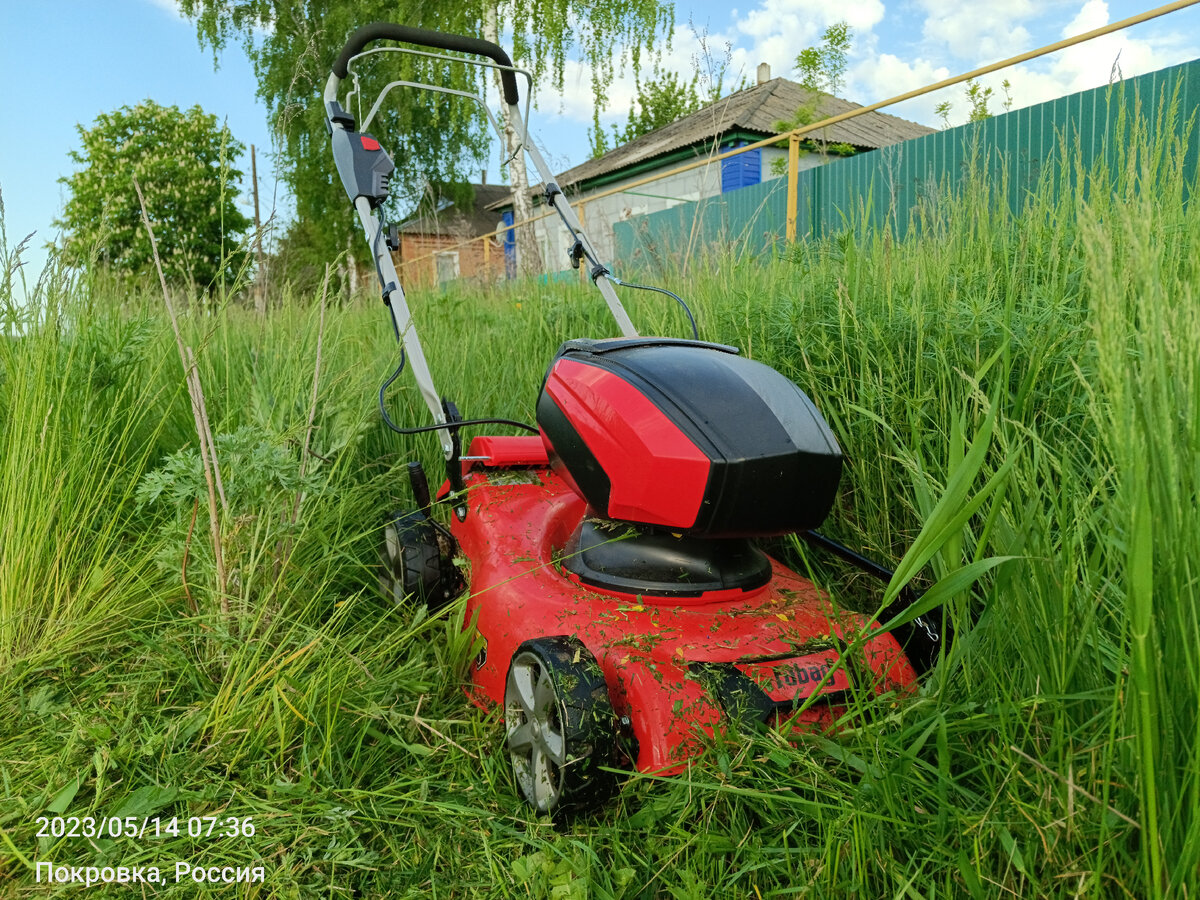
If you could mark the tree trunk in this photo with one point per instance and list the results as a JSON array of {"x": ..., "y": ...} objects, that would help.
[{"x": 529, "y": 260}]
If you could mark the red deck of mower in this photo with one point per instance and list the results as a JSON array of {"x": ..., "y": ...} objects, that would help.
[{"x": 622, "y": 603}]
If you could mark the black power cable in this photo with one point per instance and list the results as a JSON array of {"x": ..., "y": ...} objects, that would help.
[
  {"x": 421, "y": 429},
  {"x": 598, "y": 268},
  {"x": 646, "y": 287},
  {"x": 400, "y": 368}
]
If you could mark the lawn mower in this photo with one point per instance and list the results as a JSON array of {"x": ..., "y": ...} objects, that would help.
[{"x": 623, "y": 607}]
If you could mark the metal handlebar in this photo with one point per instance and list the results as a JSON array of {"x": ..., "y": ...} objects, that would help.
[{"x": 377, "y": 31}]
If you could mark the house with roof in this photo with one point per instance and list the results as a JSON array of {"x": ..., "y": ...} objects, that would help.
[
  {"x": 433, "y": 248},
  {"x": 744, "y": 117}
]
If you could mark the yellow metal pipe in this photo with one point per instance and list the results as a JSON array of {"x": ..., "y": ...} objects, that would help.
[
  {"x": 863, "y": 110},
  {"x": 793, "y": 171},
  {"x": 1011, "y": 61}
]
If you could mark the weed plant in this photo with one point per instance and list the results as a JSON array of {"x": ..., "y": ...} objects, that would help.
[{"x": 1016, "y": 385}]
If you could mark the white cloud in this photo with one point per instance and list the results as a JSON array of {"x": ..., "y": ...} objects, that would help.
[
  {"x": 948, "y": 37},
  {"x": 171, "y": 6},
  {"x": 978, "y": 30},
  {"x": 887, "y": 76},
  {"x": 803, "y": 21},
  {"x": 774, "y": 32},
  {"x": 693, "y": 50},
  {"x": 1124, "y": 53},
  {"x": 975, "y": 32},
  {"x": 1094, "y": 14},
  {"x": 1095, "y": 62}
]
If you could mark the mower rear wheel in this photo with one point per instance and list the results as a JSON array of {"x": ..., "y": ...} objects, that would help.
[
  {"x": 411, "y": 561},
  {"x": 560, "y": 726}
]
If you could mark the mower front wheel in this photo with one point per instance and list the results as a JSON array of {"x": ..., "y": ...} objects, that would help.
[{"x": 560, "y": 727}]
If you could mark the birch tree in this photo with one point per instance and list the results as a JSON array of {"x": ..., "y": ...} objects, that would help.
[{"x": 292, "y": 43}]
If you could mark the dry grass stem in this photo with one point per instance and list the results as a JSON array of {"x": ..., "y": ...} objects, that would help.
[
  {"x": 1072, "y": 787},
  {"x": 196, "y": 393}
]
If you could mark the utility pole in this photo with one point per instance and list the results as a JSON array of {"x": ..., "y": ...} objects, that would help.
[{"x": 260, "y": 288}]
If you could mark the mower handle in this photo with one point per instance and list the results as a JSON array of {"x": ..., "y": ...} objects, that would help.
[{"x": 377, "y": 31}]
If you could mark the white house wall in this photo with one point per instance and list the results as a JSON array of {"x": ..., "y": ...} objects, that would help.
[{"x": 600, "y": 215}]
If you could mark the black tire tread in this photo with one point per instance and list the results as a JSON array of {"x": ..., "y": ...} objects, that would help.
[{"x": 588, "y": 721}]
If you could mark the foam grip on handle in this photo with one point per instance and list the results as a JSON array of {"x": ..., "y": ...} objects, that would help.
[{"x": 378, "y": 31}]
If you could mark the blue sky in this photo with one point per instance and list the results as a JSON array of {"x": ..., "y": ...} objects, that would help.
[{"x": 66, "y": 61}]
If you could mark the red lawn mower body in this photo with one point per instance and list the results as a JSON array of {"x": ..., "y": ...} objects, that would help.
[
  {"x": 624, "y": 607},
  {"x": 781, "y": 639},
  {"x": 628, "y": 524}
]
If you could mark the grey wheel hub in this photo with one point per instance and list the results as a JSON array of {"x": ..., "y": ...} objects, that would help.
[{"x": 536, "y": 741}]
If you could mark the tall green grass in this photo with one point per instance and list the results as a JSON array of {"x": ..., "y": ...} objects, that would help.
[{"x": 1053, "y": 752}]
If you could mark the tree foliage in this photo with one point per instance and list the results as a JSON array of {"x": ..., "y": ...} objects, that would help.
[
  {"x": 183, "y": 162},
  {"x": 977, "y": 97},
  {"x": 660, "y": 101},
  {"x": 434, "y": 140},
  {"x": 822, "y": 70}
]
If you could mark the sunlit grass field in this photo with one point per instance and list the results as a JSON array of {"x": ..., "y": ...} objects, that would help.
[{"x": 1053, "y": 752}]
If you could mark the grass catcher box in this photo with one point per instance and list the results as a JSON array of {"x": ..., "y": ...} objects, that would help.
[{"x": 687, "y": 435}]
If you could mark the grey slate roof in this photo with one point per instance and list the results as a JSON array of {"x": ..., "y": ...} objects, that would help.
[
  {"x": 756, "y": 110},
  {"x": 458, "y": 222}
]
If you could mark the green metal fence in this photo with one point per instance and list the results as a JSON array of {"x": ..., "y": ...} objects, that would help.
[{"x": 894, "y": 186}]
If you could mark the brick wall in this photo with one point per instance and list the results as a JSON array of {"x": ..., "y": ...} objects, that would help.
[{"x": 418, "y": 268}]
